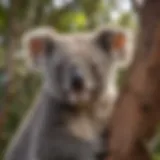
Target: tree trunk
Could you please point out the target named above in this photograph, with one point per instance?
(31, 14)
(137, 111)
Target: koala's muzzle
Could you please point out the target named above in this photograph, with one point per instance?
(77, 80)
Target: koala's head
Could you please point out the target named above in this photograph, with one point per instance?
(75, 67)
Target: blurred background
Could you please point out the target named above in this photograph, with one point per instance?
(18, 86)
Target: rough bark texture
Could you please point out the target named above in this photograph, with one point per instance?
(137, 111)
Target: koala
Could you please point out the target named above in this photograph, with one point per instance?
(69, 118)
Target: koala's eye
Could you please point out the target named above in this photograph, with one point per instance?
(93, 66)
(59, 68)
(59, 72)
(95, 70)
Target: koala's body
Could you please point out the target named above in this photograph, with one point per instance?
(71, 114)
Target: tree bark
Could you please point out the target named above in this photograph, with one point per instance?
(31, 14)
(137, 110)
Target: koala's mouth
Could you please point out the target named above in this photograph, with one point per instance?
(79, 98)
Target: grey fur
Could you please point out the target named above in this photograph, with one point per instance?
(61, 127)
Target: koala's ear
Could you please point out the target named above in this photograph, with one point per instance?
(38, 44)
(111, 40)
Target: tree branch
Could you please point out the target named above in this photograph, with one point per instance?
(137, 5)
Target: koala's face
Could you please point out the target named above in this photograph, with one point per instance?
(77, 67)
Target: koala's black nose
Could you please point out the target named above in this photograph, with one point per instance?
(77, 81)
